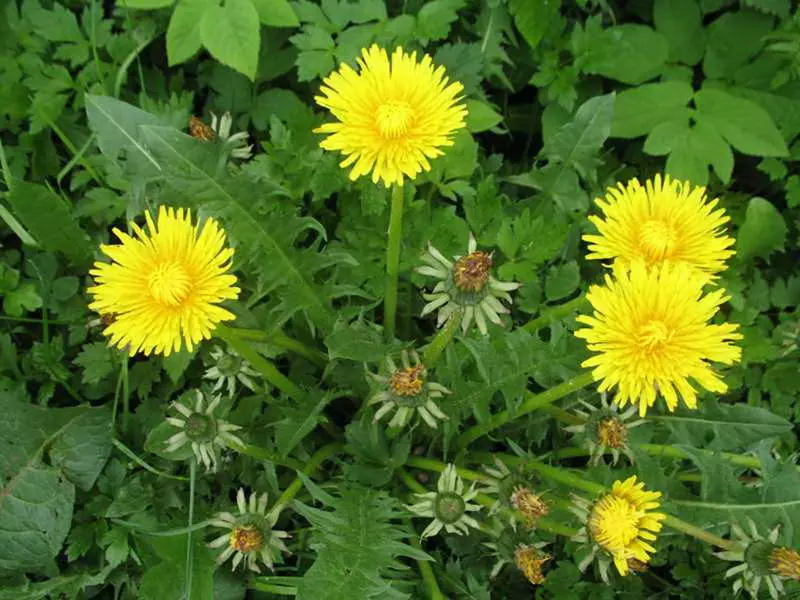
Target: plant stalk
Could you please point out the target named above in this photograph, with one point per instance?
(534, 402)
(393, 262)
(434, 350)
(266, 368)
(555, 313)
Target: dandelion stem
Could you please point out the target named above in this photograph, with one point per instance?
(132, 455)
(267, 369)
(555, 313)
(393, 262)
(532, 403)
(312, 465)
(263, 454)
(282, 340)
(189, 546)
(696, 532)
(434, 350)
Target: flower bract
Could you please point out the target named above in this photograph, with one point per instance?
(606, 429)
(664, 220)
(392, 116)
(408, 390)
(163, 286)
(449, 505)
(228, 369)
(250, 537)
(202, 431)
(651, 336)
(466, 288)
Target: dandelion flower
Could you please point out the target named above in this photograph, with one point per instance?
(651, 335)
(621, 524)
(392, 116)
(530, 505)
(666, 220)
(201, 430)
(761, 561)
(250, 536)
(163, 287)
(449, 505)
(530, 560)
(466, 287)
(408, 390)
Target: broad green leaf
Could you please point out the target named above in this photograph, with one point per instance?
(779, 8)
(49, 220)
(116, 125)
(276, 13)
(63, 586)
(357, 545)
(691, 149)
(763, 231)
(146, 4)
(435, 19)
(36, 499)
(733, 39)
(629, 53)
(183, 31)
(725, 499)
(639, 110)
(376, 456)
(231, 34)
(166, 580)
(96, 361)
(561, 281)
(534, 17)
(743, 123)
(716, 426)
(681, 23)
(577, 143)
(176, 363)
(481, 116)
(83, 446)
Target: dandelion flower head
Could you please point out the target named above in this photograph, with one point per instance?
(664, 220)
(393, 115)
(650, 335)
(163, 286)
(623, 522)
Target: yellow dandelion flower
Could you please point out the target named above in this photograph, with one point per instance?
(651, 335)
(163, 286)
(622, 523)
(392, 116)
(664, 220)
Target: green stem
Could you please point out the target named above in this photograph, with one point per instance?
(265, 367)
(264, 454)
(312, 465)
(132, 455)
(431, 464)
(425, 570)
(280, 339)
(555, 313)
(696, 532)
(393, 262)
(671, 452)
(434, 350)
(272, 588)
(126, 392)
(563, 415)
(411, 483)
(189, 546)
(534, 402)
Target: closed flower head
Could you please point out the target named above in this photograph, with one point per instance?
(392, 115)
(163, 286)
(651, 335)
(530, 561)
(622, 523)
(664, 220)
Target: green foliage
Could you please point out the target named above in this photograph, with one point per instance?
(356, 544)
(564, 98)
